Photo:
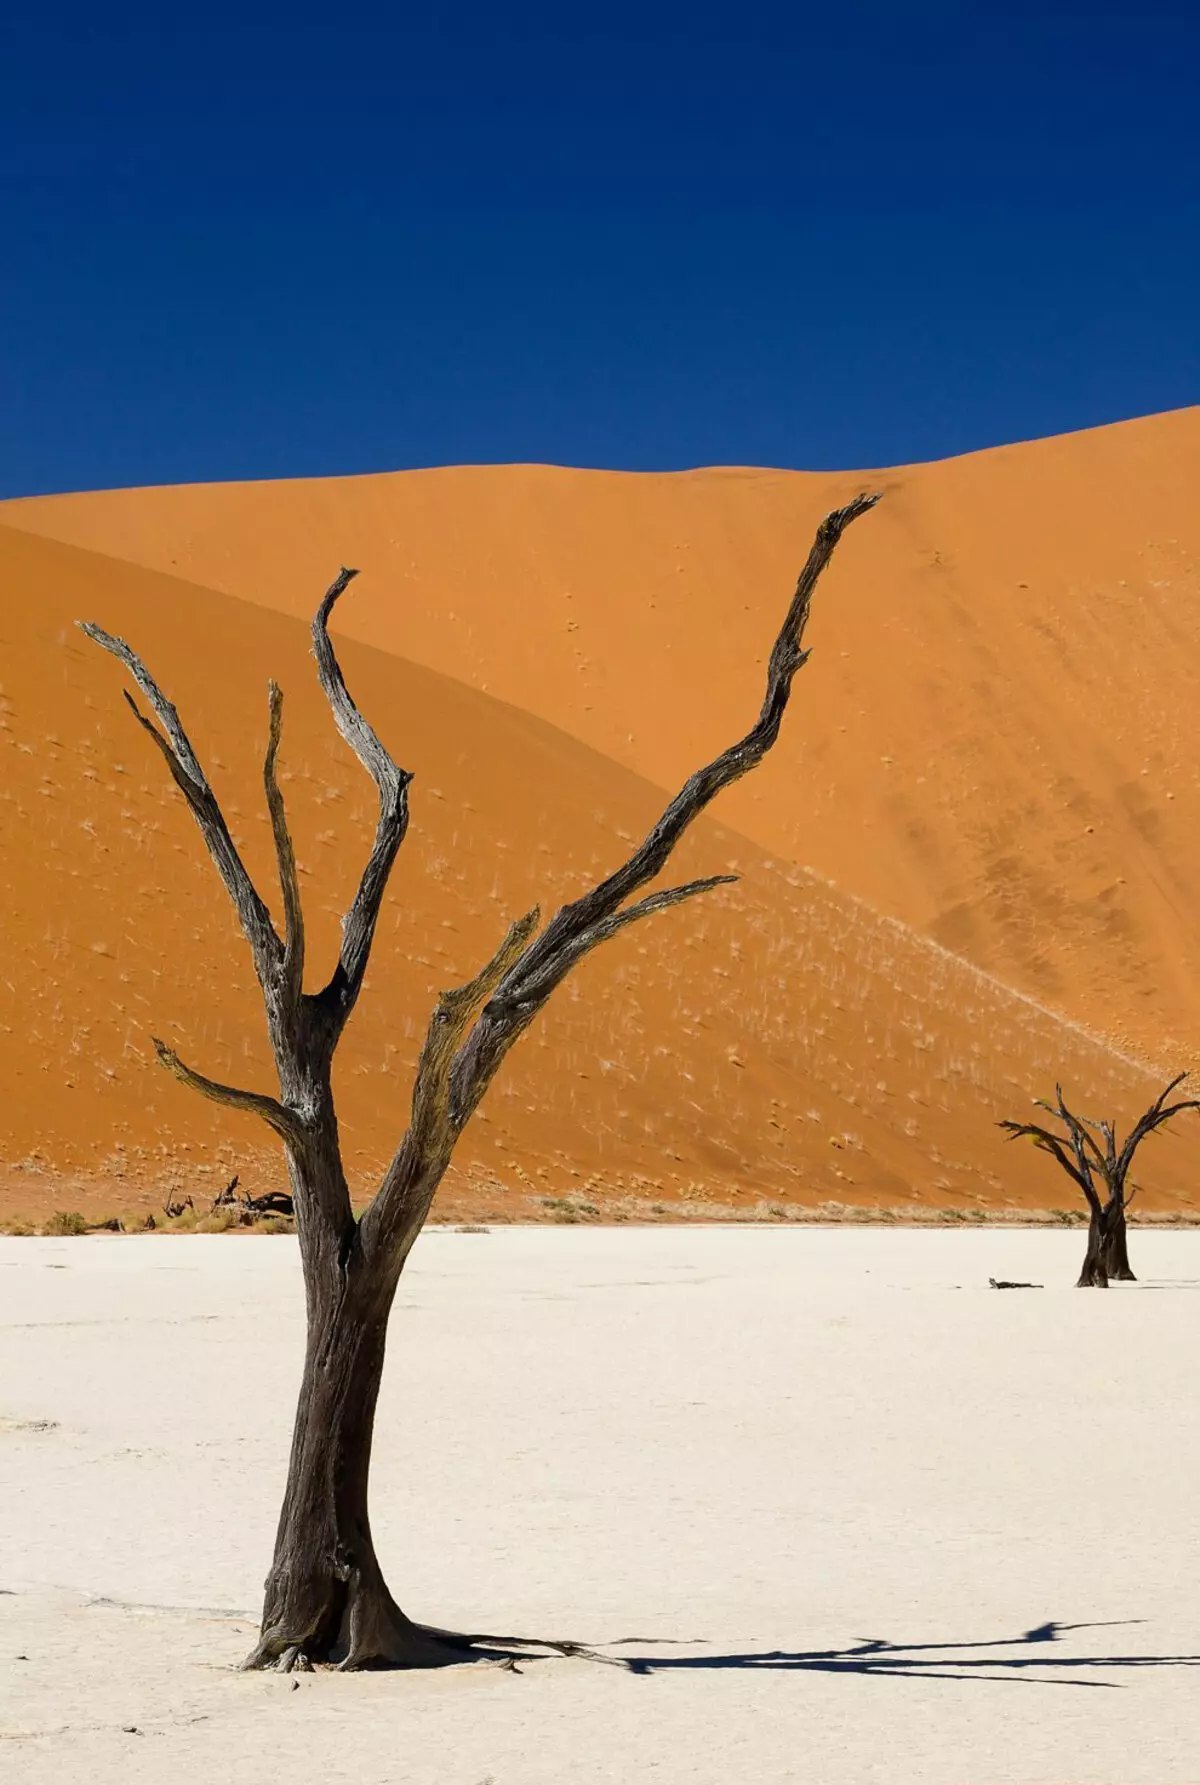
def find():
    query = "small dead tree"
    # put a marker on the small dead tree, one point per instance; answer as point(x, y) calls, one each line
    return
point(326, 1599)
point(1102, 1173)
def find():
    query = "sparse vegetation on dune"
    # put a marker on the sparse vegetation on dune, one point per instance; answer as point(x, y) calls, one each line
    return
point(833, 1054)
point(968, 768)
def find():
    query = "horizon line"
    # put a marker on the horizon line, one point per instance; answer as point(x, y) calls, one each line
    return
point(710, 470)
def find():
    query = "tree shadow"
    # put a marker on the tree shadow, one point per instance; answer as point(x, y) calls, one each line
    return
point(1029, 1659)
point(1033, 1650)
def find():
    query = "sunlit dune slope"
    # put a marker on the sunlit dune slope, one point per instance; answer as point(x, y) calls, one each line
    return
point(998, 742)
point(776, 1043)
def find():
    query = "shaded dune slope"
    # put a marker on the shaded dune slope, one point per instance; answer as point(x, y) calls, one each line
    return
point(999, 743)
point(779, 1043)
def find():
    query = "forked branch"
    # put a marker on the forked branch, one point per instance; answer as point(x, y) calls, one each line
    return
point(1053, 1144)
point(1158, 1113)
point(1111, 1165)
point(398, 1211)
point(537, 988)
point(581, 925)
point(474, 1025)
point(431, 1113)
point(303, 1031)
point(358, 925)
point(192, 782)
point(698, 792)
point(1101, 1172)
point(1079, 1130)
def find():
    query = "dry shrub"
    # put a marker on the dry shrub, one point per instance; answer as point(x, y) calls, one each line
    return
point(63, 1224)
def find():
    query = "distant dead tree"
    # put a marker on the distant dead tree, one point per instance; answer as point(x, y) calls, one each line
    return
point(326, 1599)
point(1102, 1174)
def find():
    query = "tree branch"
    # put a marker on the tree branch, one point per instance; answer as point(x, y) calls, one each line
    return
point(280, 1119)
point(1158, 1113)
point(285, 855)
point(701, 789)
point(425, 1150)
point(578, 926)
point(537, 989)
point(1077, 1128)
point(192, 782)
point(358, 925)
point(1051, 1143)
point(1112, 1166)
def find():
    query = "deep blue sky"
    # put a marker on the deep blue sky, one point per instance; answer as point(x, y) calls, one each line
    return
point(239, 242)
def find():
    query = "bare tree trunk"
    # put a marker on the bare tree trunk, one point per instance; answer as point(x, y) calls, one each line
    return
point(325, 1595)
point(1094, 1275)
point(324, 1569)
point(1116, 1249)
point(326, 1599)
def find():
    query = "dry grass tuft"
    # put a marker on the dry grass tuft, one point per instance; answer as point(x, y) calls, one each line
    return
point(64, 1224)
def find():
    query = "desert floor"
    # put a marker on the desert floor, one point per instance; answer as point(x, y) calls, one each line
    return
point(839, 1511)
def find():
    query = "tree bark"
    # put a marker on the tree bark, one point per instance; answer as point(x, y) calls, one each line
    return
point(326, 1598)
point(1116, 1250)
point(1094, 1275)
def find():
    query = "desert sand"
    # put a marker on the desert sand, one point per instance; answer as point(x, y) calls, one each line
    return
point(997, 746)
point(833, 1508)
point(971, 867)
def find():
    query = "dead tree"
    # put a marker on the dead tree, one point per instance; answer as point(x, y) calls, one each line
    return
point(1102, 1173)
point(326, 1598)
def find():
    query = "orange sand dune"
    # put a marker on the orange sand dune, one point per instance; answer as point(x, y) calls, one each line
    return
point(778, 1044)
point(998, 742)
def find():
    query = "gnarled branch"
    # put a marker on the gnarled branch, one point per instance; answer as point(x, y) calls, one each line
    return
point(402, 1201)
point(1078, 1128)
point(1158, 1113)
point(358, 925)
point(1051, 1143)
point(192, 782)
point(447, 1026)
point(282, 1120)
point(578, 926)
point(536, 989)
point(701, 789)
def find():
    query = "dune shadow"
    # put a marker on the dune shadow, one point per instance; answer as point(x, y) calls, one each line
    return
point(1031, 1658)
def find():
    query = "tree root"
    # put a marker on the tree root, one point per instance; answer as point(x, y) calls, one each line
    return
point(408, 1645)
point(344, 1617)
point(294, 1659)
